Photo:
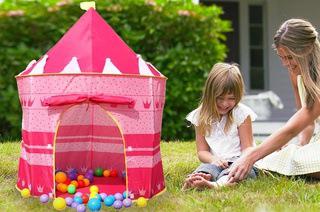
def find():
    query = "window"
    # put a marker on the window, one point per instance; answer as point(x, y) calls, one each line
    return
point(257, 78)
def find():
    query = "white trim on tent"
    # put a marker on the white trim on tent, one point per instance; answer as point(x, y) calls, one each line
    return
point(110, 68)
point(143, 67)
point(39, 67)
point(155, 69)
point(31, 63)
point(72, 67)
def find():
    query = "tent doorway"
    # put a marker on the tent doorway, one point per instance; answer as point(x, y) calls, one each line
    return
point(87, 138)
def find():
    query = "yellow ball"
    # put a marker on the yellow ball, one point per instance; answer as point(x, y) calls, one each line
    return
point(142, 202)
point(94, 189)
point(59, 204)
point(93, 195)
point(25, 193)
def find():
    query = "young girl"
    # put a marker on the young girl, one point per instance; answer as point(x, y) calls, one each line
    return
point(223, 127)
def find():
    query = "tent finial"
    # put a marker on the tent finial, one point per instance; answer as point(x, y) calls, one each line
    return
point(86, 5)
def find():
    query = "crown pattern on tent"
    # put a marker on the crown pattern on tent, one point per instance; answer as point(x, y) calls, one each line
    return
point(97, 50)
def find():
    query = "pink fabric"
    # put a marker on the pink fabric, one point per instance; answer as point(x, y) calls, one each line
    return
point(37, 178)
point(60, 100)
point(37, 138)
point(91, 40)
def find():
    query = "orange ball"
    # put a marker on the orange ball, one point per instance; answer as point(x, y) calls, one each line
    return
point(80, 177)
point(63, 188)
point(86, 182)
point(75, 183)
point(60, 177)
point(106, 173)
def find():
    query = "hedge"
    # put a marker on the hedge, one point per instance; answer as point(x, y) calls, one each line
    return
point(181, 39)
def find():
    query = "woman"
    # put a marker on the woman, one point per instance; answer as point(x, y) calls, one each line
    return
point(298, 47)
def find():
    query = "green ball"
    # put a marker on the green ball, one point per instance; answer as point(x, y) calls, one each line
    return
point(98, 172)
point(71, 189)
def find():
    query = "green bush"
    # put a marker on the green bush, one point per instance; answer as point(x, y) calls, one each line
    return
point(181, 39)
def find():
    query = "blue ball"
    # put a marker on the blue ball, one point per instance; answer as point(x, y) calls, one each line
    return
point(78, 200)
point(124, 194)
point(109, 200)
point(94, 204)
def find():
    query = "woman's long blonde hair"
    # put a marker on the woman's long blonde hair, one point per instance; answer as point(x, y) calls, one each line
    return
point(300, 39)
point(223, 79)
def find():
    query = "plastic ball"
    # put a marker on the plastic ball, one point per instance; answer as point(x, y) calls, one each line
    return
point(44, 198)
point(74, 205)
point(59, 204)
point(62, 187)
point(67, 182)
point(106, 173)
point(75, 183)
point(73, 170)
point(109, 200)
point(94, 188)
point(80, 183)
point(60, 177)
point(80, 177)
point(94, 204)
point(124, 194)
point(86, 182)
point(78, 194)
point(98, 172)
point(78, 200)
point(103, 196)
point(93, 195)
point(142, 202)
point(25, 193)
point(81, 208)
point(71, 189)
point(69, 201)
point(72, 176)
point(113, 173)
point(89, 177)
point(127, 202)
point(89, 171)
point(85, 199)
point(118, 196)
point(117, 204)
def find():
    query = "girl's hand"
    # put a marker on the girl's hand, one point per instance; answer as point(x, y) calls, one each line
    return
point(220, 162)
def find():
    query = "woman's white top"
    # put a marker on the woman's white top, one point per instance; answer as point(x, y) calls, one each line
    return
point(225, 145)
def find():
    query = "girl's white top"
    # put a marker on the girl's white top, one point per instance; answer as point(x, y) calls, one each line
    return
point(225, 145)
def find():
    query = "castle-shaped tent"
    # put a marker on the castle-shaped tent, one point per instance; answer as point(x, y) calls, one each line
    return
point(91, 102)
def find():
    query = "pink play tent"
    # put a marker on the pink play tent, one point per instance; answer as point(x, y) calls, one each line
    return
point(91, 102)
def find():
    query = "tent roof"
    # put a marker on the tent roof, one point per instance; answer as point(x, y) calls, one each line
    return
point(91, 45)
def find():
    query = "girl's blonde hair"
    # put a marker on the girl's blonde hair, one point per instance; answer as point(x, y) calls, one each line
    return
point(300, 39)
point(223, 79)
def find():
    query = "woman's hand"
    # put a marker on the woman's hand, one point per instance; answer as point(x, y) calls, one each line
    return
point(241, 167)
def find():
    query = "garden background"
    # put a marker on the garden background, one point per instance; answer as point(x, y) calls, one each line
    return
point(181, 39)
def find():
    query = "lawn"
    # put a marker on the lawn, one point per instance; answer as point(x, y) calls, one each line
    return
point(267, 193)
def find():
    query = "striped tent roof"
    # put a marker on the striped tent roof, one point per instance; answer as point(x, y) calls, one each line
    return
point(91, 46)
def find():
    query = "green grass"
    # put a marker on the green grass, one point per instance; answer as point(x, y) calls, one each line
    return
point(267, 193)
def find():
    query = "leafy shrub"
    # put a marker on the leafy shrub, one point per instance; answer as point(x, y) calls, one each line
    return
point(181, 39)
